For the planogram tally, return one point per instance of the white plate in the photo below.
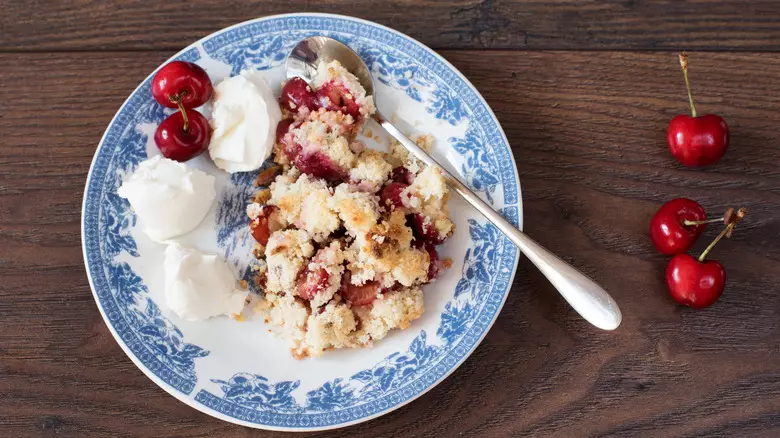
(239, 372)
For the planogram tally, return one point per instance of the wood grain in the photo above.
(458, 24)
(587, 130)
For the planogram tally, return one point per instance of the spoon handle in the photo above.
(589, 299)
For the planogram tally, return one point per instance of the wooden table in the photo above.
(584, 91)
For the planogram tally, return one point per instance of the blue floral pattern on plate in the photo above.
(159, 347)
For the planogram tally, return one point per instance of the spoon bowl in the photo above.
(302, 61)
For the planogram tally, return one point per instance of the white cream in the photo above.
(244, 122)
(199, 285)
(170, 198)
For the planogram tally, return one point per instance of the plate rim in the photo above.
(189, 399)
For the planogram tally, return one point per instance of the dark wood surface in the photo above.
(587, 127)
(458, 24)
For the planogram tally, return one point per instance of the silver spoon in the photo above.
(586, 297)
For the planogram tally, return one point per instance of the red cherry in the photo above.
(296, 93)
(424, 230)
(696, 141)
(184, 82)
(392, 195)
(693, 283)
(668, 231)
(335, 97)
(358, 295)
(181, 137)
(261, 225)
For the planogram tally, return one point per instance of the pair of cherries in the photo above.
(184, 134)
(674, 229)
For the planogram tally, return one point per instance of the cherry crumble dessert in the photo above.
(346, 235)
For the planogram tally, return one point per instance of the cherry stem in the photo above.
(186, 128)
(688, 223)
(177, 98)
(684, 65)
(717, 239)
(734, 219)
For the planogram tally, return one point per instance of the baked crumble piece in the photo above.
(346, 236)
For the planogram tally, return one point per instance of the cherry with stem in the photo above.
(677, 225)
(696, 140)
(698, 283)
(183, 135)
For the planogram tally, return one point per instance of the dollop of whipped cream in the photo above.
(244, 120)
(170, 198)
(199, 285)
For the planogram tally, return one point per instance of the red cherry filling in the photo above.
(435, 267)
(297, 94)
(286, 139)
(318, 164)
(182, 139)
(314, 163)
(261, 225)
(423, 229)
(290, 149)
(392, 195)
(358, 295)
(312, 282)
(402, 175)
(335, 97)
(283, 128)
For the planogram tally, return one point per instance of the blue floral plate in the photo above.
(237, 371)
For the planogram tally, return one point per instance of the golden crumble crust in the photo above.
(331, 238)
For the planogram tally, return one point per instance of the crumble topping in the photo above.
(334, 72)
(304, 202)
(371, 169)
(358, 210)
(286, 253)
(351, 232)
